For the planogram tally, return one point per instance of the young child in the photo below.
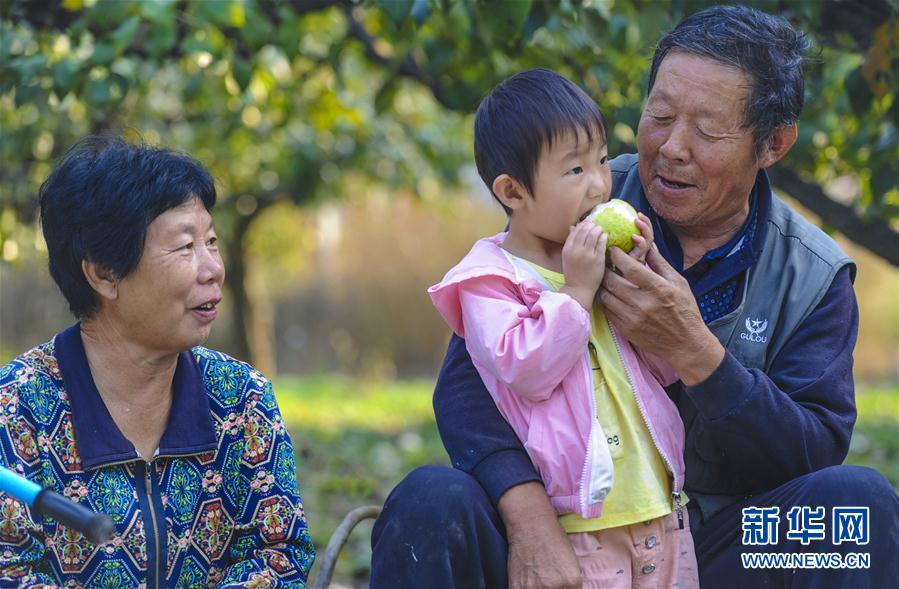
(588, 406)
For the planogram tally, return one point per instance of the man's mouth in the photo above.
(674, 184)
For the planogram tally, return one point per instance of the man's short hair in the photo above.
(98, 202)
(766, 47)
(522, 116)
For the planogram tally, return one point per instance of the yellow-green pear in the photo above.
(618, 219)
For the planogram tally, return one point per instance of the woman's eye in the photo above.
(212, 242)
(187, 246)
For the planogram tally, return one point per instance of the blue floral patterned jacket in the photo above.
(217, 506)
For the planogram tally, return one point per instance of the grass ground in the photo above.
(355, 440)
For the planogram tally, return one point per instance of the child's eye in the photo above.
(576, 171)
(604, 160)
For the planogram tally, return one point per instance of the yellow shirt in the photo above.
(642, 487)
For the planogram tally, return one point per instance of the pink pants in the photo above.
(655, 553)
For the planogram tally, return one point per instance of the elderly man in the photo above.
(751, 304)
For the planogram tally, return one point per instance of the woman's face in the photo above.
(167, 303)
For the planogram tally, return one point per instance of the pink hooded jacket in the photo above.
(529, 344)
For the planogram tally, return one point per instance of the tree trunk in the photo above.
(253, 322)
(873, 234)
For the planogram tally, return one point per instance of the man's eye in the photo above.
(708, 135)
(213, 241)
(661, 119)
(187, 246)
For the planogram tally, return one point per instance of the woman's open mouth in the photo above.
(207, 310)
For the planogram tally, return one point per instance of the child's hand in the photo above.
(584, 261)
(642, 242)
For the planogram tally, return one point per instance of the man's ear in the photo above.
(778, 145)
(509, 191)
(101, 280)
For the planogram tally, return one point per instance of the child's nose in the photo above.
(598, 185)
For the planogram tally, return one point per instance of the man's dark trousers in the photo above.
(439, 529)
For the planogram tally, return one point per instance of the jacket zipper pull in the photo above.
(679, 509)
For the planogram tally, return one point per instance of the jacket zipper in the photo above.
(652, 434)
(585, 491)
(153, 526)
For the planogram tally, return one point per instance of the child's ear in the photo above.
(509, 191)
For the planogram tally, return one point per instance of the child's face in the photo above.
(572, 177)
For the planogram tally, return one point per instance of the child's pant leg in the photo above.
(656, 553)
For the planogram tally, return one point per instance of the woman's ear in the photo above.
(100, 280)
(509, 191)
(778, 145)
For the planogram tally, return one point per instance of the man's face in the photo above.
(697, 162)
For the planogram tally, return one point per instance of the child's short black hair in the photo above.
(524, 115)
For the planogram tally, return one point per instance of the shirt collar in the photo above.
(190, 429)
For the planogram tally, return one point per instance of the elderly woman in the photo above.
(183, 447)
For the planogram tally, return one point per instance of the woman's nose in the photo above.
(212, 269)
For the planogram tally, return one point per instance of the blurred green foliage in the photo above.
(356, 439)
(302, 100)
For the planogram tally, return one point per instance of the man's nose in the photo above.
(676, 145)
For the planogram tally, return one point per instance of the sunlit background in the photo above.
(340, 136)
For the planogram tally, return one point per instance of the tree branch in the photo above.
(875, 235)
(406, 67)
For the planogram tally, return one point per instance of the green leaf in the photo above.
(26, 93)
(161, 38)
(104, 53)
(397, 9)
(65, 74)
(122, 36)
(219, 12)
(257, 31)
(194, 86)
(159, 11)
(243, 72)
(506, 26)
(120, 82)
(97, 92)
(29, 67)
(109, 12)
(860, 95)
(421, 11)
(386, 94)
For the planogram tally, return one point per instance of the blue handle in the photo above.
(19, 487)
(97, 527)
